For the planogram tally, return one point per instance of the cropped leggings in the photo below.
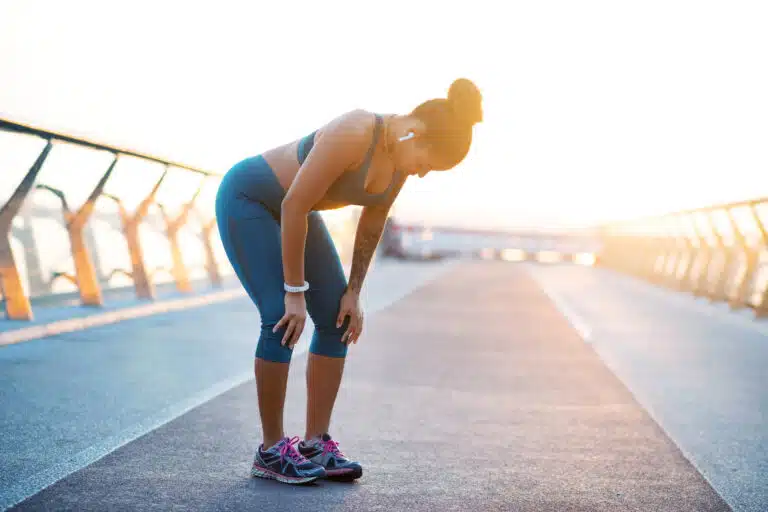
(248, 216)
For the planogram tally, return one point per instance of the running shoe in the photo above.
(325, 451)
(284, 463)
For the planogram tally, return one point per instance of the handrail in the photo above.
(13, 126)
(714, 269)
(15, 301)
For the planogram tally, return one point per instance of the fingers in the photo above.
(354, 329)
(288, 332)
(294, 326)
(298, 329)
(350, 327)
(342, 314)
(280, 324)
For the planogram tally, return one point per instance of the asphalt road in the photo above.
(473, 392)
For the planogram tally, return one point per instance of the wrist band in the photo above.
(295, 289)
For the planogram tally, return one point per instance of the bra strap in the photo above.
(371, 149)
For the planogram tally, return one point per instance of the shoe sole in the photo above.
(343, 475)
(271, 475)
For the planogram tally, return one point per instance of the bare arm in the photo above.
(369, 230)
(342, 144)
(339, 145)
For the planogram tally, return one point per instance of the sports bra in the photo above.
(350, 186)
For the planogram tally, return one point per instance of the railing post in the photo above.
(726, 289)
(753, 261)
(659, 247)
(17, 305)
(173, 225)
(679, 248)
(85, 272)
(684, 282)
(210, 258)
(667, 257)
(681, 270)
(141, 280)
(761, 309)
(698, 287)
(705, 283)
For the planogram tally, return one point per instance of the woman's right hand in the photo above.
(294, 318)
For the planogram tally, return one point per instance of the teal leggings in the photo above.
(248, 216)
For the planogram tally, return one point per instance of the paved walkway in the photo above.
(71, 398)
(698, 367)
(472, 392)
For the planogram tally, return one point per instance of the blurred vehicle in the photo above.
(406, 242)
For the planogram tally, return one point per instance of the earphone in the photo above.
(406, 137)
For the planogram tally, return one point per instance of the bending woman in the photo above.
(267, 209)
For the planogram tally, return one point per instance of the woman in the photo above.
(267, 213)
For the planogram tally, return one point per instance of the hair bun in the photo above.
(466, 101)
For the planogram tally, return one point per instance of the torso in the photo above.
(284, 162)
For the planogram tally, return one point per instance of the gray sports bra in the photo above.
(350, 186)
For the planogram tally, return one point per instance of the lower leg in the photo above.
(323, 380)
(271, 381)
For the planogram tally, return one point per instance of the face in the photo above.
(413, 158)
(413, 155)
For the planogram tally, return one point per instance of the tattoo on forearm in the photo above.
(369, 230)
(367, 237)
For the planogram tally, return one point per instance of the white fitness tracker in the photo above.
(296, 289)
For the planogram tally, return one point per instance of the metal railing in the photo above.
(719, 252)
(16, 296)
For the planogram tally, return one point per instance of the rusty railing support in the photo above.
(211, 265)
(705, 286)
(761, 309)
(687, 265)
(727, 288)
(744, 291)
(85, 271)
(704, 256)
(680, 246)
(141, 279)
(17, 304)
(173, 226)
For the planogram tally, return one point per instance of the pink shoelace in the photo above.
(331, 447)
(288, 450)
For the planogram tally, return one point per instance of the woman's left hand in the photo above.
(350, 306)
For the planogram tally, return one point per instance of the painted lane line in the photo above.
(110, 317)
(577, 321)
(646, 400)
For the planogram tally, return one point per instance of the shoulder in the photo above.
(349, 134)
(355, 124)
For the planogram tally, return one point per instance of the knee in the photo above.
(269, 346)
(326, 340)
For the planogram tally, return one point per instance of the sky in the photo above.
(594, 110)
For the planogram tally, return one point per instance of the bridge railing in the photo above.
(719, 252)
(79, 217)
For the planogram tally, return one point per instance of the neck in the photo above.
(391, 124)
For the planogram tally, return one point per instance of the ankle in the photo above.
(269, 442)
(309, 438)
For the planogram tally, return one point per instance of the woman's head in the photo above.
(442, 130)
